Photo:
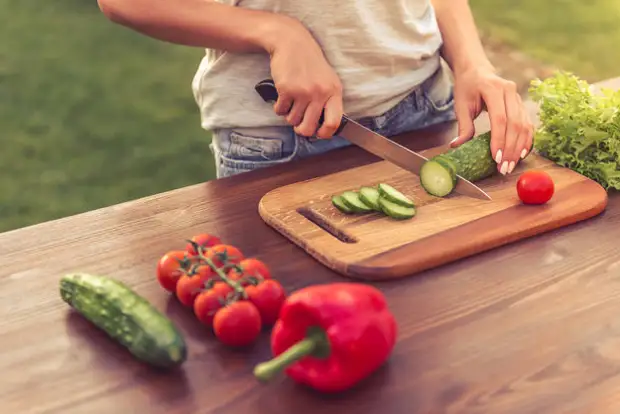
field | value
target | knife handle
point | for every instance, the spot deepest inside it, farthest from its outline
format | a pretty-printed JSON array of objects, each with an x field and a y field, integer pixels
[{"x": 267, "y": 90}]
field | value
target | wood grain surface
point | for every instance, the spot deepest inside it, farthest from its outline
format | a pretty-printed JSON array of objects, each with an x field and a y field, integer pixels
[
  {"x": 532, "y": 327},
  {"x": 376, "y": 247}
]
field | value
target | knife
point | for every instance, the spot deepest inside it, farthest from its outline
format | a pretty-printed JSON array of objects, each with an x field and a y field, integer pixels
[{"x": 378, "y": 144}]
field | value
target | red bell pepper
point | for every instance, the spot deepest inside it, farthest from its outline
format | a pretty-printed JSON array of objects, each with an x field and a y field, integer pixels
[{"x": 331, "y": 336}]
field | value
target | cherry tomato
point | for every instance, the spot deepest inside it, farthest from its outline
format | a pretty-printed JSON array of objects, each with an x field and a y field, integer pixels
[
  {"x": 250, "y": 268},
  {"x": 170, "y": 269},
  {"x": 209, "y": 301},
  {"x": 205, "y": 240},
  {"x": 535, "y": 187},
  {"x": 221, "y": 254},
  {"x": 268, "y": 297},
  {"x": 189, "y": 286},
  {"x": 237, "y": 324}
]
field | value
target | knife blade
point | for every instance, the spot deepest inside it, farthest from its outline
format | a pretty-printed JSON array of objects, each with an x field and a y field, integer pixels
[{"x": 378, "y": 145}]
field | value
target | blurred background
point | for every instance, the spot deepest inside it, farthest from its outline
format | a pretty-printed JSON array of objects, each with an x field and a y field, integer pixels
[{"x": 92, "y": 114}]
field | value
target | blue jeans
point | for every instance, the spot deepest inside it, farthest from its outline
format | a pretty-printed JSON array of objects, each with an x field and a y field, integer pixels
[{"x": 240, "y": 150}]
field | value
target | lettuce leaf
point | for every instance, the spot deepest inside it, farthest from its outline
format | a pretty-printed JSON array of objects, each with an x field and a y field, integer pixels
[{"x": 579, "y": 130}]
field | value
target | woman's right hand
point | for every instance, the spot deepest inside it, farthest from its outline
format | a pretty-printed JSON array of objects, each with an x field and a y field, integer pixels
[{"x": 306, "y": 83}]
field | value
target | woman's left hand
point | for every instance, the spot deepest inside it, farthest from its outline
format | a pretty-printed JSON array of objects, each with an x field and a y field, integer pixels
[{"x": 512, "y": 131}]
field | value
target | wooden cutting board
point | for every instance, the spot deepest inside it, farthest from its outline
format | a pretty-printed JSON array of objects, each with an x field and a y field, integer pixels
[{"x": 375, "y": 247}]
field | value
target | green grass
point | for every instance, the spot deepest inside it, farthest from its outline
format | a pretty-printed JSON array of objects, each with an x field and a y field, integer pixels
[
  {"x": 575, "y": 35},
  {"x": 92, "y": 114}
]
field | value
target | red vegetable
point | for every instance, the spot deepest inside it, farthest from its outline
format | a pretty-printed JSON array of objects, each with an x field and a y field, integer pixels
[
  {"x": 190, "y": 285},
  {"x": 209, "y": 301},
  {"x": 221, "y": 254},
  {"x": 170, "y": 269},
  {"x": 332, "y": 336},
  {"x": 250, "y": 268},
  {"x": 268, "y": 297},
  {"x": 535, "y": 187},
  {"x": 204, "y": 240},
  {"x": 237, "y": 324}
]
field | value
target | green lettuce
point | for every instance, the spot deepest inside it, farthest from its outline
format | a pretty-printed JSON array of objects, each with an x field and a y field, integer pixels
[{"x": 579, "y": 130}]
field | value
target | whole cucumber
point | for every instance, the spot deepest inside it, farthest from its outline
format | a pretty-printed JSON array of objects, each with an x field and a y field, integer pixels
[
  {"x": 473, "y": 159},
  {"x": 126, "y": 317}
]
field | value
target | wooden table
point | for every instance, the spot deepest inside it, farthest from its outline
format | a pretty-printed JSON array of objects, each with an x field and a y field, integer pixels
[{"x": 533, "y": 327}]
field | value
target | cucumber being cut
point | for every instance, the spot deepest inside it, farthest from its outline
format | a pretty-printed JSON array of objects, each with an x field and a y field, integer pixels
[
  {"x": 340, "y": 205},
  {"x": 436, "y": 178},
  {"x": 448, "y": 163},
  {"x": 352, "y": 200},
  {"x": 370, "y": 197},
  {"x": 395, "y": 210},
  {"x": 472, "y": 161},
  {"x": 390, "y": 193},
  {"x": 126, "y": 317}
]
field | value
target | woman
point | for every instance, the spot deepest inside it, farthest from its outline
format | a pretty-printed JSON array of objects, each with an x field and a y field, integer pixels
[{"x": 378, "y": 61}]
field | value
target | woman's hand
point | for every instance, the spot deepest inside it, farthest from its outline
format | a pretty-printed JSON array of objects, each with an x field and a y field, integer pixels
[
  {"x": 511, "y": 128},
  {"x": 306, "y": 83}
]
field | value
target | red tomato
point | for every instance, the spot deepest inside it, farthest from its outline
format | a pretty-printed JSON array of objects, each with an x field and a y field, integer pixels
[
  {"x": 268, "y": 297},
  {"x": 221, "y": 254},
  {"x": 189, "y": 286},
  {"x": 204, "y": 240},
  {"x": 535, "y": 187},
  {"x": 250, "y": 268},
  {"x": 209, "y": 301},
  {"x": 170, "y": 269},
  {"x": 237, "y": 324}
]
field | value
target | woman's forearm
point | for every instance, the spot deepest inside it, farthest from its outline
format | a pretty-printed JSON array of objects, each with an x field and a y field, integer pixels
[
  {"x": 200, "y": 23},
  {"x": 462, "y": 48}
]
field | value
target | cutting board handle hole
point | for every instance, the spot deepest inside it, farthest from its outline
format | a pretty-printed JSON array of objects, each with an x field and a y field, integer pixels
[{"x": 323, "y": 223}]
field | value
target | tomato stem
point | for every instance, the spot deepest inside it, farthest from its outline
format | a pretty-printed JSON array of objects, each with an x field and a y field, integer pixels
[{"x": 236, "y": 286}]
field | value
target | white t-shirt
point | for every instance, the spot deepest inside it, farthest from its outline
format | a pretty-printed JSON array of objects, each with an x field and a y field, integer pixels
[{"x": 380, "y": 49}]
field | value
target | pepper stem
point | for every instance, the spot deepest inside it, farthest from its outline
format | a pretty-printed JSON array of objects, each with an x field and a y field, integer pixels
[{"x": 315, "y": 344}]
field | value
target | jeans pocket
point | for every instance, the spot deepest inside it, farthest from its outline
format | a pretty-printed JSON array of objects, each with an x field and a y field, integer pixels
[
  {"x": 242, "y": 150},
  {"x": 438, "y": 92},
  {"x": 380, "y": 122}
]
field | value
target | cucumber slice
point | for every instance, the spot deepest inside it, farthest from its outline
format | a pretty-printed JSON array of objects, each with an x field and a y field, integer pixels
[
  {"x": 340, "y": 205},
  {"x": 436, "y": 179},
  {"x": 370, "y": 197},
  {"x": 395, "y": 196},
  {"x": 352, "y": 200},
  {"x": 395, "y": 210}
]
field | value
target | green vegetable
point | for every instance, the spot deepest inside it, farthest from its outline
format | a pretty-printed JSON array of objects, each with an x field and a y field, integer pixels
[
  {"x": 395, "y": 210},
  {"x": 436, "y": 178},
  {"x": 579, "y": 130},
  {"x": 340, "y": 205},
  {"x": 448, "y": 163},
  {"x": 352, "y": 200},
  {"x": 384, "y": 199},
  {"x": 390, "y": 193},
  {"x": 370, "y": 197},
  {"x": 126, "y": 317},
  {"x": 473, "y": 159}
]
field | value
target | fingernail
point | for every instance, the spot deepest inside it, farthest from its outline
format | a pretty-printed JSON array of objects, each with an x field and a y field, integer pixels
[
  {"x": 504, "y": 168},
  {"x": 498, "y": 157},
  {"x": 511, "y": 166},
  {"x": 454, "y": 140},
  {"x": 523, "y": 153}
]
